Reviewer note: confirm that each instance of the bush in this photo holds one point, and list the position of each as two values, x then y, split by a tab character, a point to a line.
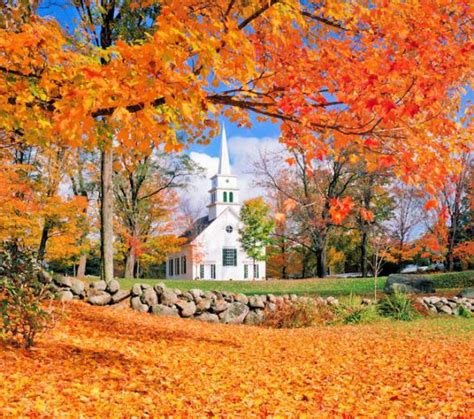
453	280
397	306
298	314
23	289
464	312
354	312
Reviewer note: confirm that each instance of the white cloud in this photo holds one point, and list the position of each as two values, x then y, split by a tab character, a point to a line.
243	151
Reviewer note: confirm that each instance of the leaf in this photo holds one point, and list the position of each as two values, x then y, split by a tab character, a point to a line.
431	204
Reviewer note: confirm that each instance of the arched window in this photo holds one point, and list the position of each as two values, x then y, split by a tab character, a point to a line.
225	196
231	196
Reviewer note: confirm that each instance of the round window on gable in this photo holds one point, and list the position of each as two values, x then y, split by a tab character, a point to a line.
229	229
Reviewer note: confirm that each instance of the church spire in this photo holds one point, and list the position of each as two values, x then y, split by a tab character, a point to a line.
224	166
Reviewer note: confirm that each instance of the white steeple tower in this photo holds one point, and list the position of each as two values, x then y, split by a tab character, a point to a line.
224	191
224	166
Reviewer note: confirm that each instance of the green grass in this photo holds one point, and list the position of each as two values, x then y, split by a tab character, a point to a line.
323	287
316	286
436	325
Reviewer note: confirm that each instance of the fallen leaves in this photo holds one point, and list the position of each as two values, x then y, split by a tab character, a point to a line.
106	362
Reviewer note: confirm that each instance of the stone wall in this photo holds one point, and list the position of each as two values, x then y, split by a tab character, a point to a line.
445	305
210	306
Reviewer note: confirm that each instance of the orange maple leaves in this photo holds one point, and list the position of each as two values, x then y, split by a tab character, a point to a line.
371	80
340	209
103	362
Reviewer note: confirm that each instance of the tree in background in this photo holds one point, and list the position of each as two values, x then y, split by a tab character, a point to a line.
84	177
316	195
283	260
407	216
379	245
257	226
144	190
34	212
457	199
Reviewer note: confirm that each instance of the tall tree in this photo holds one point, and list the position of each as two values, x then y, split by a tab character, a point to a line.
142	195
457	202
313	196
408	215
257	226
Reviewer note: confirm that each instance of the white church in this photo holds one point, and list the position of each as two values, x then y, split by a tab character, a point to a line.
213	250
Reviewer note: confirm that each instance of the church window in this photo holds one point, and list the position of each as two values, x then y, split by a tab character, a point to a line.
229	257
176	266
170	267
231	196
256	271
183	264
201	271
246	271
229	229
225	196
213	271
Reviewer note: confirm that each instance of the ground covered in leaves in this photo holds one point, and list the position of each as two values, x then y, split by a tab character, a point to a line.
115	362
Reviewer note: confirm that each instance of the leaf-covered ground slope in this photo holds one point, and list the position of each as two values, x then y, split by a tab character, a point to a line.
115	362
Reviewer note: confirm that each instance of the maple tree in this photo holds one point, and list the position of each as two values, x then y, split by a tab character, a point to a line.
145	197
456	200
33	213
283	256
385	78
408	215
317	199
256	229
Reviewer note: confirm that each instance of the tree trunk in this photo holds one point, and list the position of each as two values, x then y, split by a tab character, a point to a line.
130	264
304	263
81	270
321	262
363	254
107	232
283	271
451	243
43	241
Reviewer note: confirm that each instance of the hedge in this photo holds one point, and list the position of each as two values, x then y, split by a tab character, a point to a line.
453	279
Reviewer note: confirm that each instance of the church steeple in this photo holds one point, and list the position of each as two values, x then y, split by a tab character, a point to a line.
224	166
224	191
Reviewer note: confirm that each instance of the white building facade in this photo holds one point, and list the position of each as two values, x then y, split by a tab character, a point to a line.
213	250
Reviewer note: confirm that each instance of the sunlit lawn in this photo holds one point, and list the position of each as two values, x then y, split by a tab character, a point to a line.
315	286
323	287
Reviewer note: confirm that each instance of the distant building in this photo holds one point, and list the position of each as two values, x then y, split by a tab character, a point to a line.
213	248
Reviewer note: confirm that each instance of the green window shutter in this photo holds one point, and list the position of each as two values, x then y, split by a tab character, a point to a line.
225	196
231	196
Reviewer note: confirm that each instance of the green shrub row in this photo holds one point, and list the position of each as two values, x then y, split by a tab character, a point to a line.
453	280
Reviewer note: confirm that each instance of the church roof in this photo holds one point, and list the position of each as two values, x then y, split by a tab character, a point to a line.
224	165
197	228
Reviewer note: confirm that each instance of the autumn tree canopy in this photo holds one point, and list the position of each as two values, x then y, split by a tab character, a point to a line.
386	78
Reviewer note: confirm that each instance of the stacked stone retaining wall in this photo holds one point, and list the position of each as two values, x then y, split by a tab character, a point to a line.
210	306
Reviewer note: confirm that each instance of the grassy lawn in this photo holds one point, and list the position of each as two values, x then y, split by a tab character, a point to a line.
323	287
328	286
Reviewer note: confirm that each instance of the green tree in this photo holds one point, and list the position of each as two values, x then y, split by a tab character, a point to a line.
255	235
